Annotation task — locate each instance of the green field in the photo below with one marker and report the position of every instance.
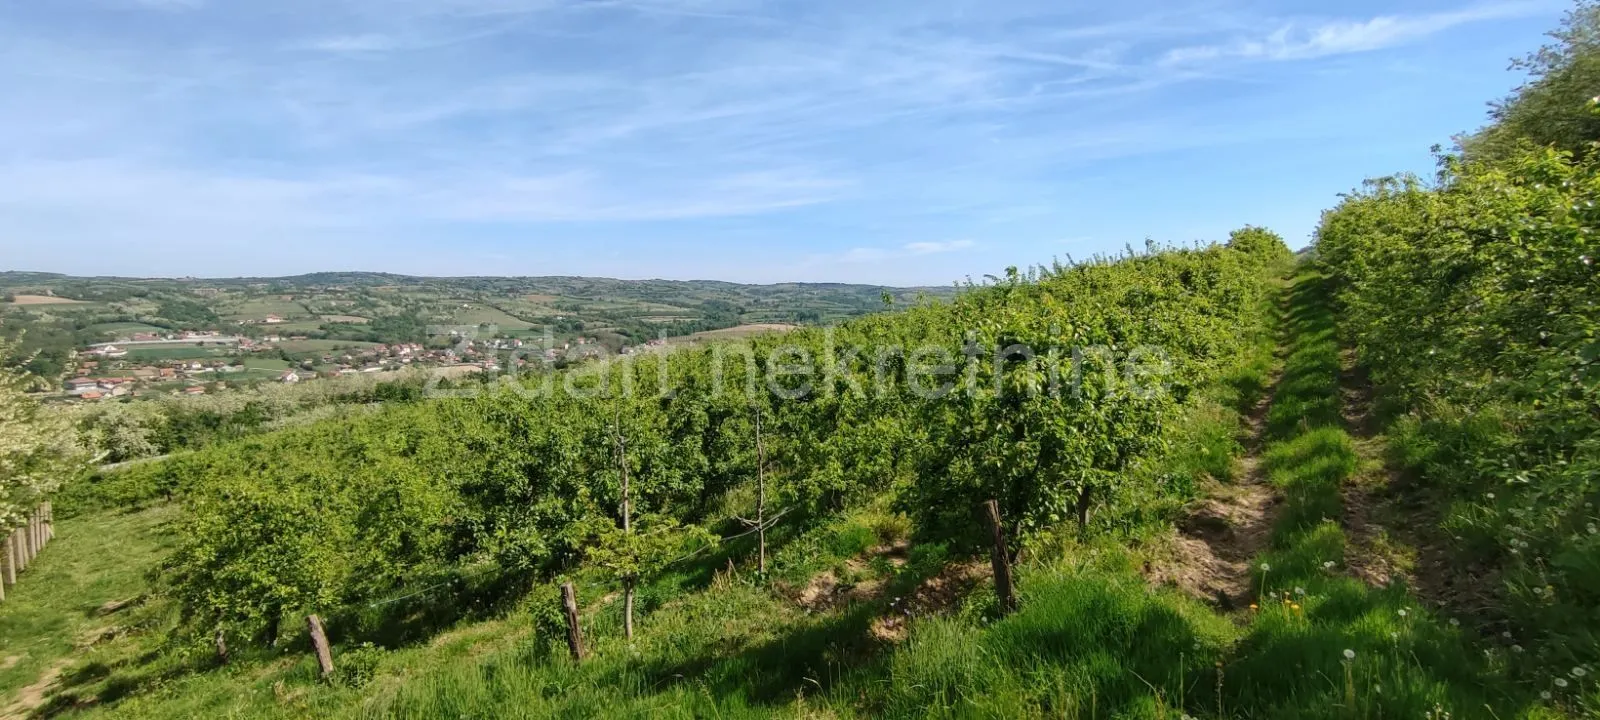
(190, 352)
(124, 328)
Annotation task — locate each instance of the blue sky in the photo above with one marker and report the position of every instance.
(890, 141)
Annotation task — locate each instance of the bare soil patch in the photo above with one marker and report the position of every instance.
(33, 697)
(1209, 555)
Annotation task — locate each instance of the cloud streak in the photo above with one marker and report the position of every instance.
(1301, 41)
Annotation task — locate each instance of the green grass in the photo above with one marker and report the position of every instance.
(178, 353)
(266, 363)
(55, 604)
(1092, 639)
(124, 328)
(1323, 644)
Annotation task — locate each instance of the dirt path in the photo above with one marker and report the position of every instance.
(1391, 525)
(1215, 545)
(33, 697)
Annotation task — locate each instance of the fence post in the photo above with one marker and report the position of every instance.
(8, 556)
(27, 542)
(13, 557)
(569, 604)
(319, 640)
(50, 521)
(1001, 559)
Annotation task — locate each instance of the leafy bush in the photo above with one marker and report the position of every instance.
(1476, 306)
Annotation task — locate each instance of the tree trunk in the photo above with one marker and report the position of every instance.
(1001, 559)
(1085, 499)
(274, 619)
(569, 605)
(319, 640)
(627, 608)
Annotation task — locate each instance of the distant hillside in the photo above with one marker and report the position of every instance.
(389, 308)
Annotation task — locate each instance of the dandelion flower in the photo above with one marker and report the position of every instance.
(1506, 634)
(1579, 672)
(1517, 649)
(1266, 568)
(1404, 613)
(1349, 654)
(1490, 496)
(1547, 695)
(1455, 623)
(1328, 565)
(1394, 636)
(1562, 683)
(1300, 591)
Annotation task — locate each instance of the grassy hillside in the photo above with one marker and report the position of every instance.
(60, 313)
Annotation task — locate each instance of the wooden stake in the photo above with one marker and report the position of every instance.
(1002, 560)
(627, 527)
(319, 640)
(761, 499)
(222, 647)
(29, 549)
(569, 603)
(9, 558)
(50, 521)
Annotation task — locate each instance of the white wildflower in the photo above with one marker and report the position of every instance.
(1349, 654)
(1562, 683)
(1579, 673)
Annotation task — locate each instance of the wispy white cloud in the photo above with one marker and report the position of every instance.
(935, 248)
(371, 42)
(860, 255)
(831, 123)
(1303, 41)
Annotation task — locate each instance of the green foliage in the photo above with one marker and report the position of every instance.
(337, 514)
(1321, 643)
(1554, 107)
(1474, 304)
(38, 448)
(1121, 348)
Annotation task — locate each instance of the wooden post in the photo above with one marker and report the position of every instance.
(761, 499)
(627, 527)
(1001, 559)
(222, 647)
(28, 550)
(319, 640)
(50, 521)
(8, 556)
(569, 604)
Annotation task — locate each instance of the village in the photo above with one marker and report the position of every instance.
(201, 362)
